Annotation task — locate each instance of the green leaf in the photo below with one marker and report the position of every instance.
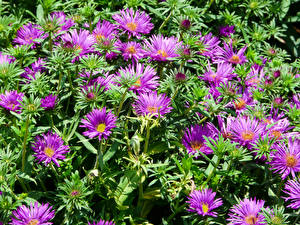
(40, 12)
(86, 143)
(26, 177)
(285, 6)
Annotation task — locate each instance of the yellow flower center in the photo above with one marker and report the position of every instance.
(131, 26)
(163, 53)
(235, 59)
(49, 152)
(247, 135)
(152, 109)
(33, 222)
(101, 127)
(196, 145)
(205, 207)
(213, 75)
(251, 220)
(77, 47)
(99, 37)
(137, 83)
(131, 50)
(240, 103)
(267, 121)
(276, 134)
(291, 161)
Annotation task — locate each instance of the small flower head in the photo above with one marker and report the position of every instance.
(104, 31)
(49, 147)
(134, 23)
(203, 202)
(99, 123)
(292, 188)
(226, 30)
(102, 222)
(152, 104)
(247, 212)
(28, 34)
(131, 50)
(33, 215)
(230, 56)
(11, 101)
(185, 24)
(48, 102)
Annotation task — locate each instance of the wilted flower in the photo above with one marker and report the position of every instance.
(99, 123)
(30, 34)
(135, 23)
(49, 147)
(247, 212)
(11, 101)
(33, 215)
(292, 188)
(48, 102)
(102, 222)
(203, 202)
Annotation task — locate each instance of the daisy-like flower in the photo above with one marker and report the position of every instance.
(48, 102)
(11, 101)
(102, 222)
(134, 23)
(208, 45)
(61, 19)
(247, 212)
(28, 34)
(226, 30)
(49, 147)
(292, 188)
(6, 59)
(241, 103)
(104, 31)
(146, 79)
(203, 202)
(223, 73)
(161, 48)
(33, 215)
(230, 56)
(152, 104)
(99, 123)
(194, 141)
(131, 50)
(254, 77)
(246, 131)
(36, 67)
(286, 160)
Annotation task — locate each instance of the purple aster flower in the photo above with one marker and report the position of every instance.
(104, 31)
(11, 101)
(208, 45)
(254, 77)
(131, 50)
(296, 100)
(49, 147)
(38, 66)
(61, 19)
(102, 222)
(241, 103)
(203, 202)
(185, 24)
(226, 30)
(223, 73)
(99, 123)
(194, 141)
(33, 215)
(146, 79)
(229, 55)
(286, 160)
(247, 212)
(6, 59)
(28, 34)
(134, 23)
(292, 188)
(152, 104)
(161, 48)
(48, 102)
(225, 128)
(246, 131)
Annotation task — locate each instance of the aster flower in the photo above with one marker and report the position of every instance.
(161, 48)
(292, 188)
(102, 222)
(223, 73)
(99, 123)
(230, 56)
(11, 101)
(134, 23)
(38, 66)
(152, 104)
(226, 30)
(30, 34)
(104, 31)
(254, 77)
(194, 141)
(246, 131)
(203, 202)
(208, 45)
(49, 147)
(48, 102)
(33, 215)
(286, 160)
(247, 212)
(61, 19)
(225, 128)
(145, 77)
(131, 50)
(6, 59)
(241, 103)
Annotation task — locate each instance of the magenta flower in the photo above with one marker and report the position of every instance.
(226, 30)
(241, 103)
(230, 56)
(286, 160)
(203, 202)
(292, 188)
(28, 34)
(194, 141)
(38, 66)
(33, 215)
(99, 123)
(104, 31)
(134, 23)
(49, 147)
(61, 19)
(247, 212)
(131, 50)
(223, 73)
(11, 101)
(48, 102)
(152, 104)
(6, 59)
(161, 48)
(102, 222)
(208, 45)
(246, 131)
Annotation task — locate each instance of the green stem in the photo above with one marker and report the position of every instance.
(279, 189)
(50, 42)
(122, 102)
(227, 171)
(166, 20)
(99, 156)
(141, 193)
(297, 218)
(59, 81)
(54, 171)
(177, 210)
(22, 184)
(43, 185)
(147, 138)
(213, 171)
(176, 92)
(24, 144)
